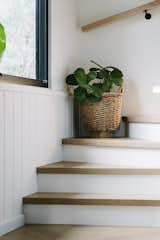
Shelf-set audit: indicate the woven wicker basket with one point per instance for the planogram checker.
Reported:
(104, 116)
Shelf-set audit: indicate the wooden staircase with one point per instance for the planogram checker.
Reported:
(101, 182)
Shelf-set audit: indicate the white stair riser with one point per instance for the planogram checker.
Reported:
(93, 215)
(107, 184)
(144, 131)
(115, 156)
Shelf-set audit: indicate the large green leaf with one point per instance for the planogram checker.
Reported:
(92, 75)
(2, 40)
(88, 88)
(107, 85)
(116, 77)
(81, 77)
(99, 85)
(117, 81)
(71, 80)
(97, 92)
(104, 73)
(116, 73)
(80, 95)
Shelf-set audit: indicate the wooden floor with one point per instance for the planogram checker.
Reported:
(52, 232)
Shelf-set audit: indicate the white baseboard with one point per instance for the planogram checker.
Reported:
(11, 225)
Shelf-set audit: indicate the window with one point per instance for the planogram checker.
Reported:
(26, 27)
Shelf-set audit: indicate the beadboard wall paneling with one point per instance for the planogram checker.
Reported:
(34, 120)
(32, 125)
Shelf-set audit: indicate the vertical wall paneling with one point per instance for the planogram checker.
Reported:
(1, 158)
(17, 154)
(33, 121)
(9, 154)
(32, 125)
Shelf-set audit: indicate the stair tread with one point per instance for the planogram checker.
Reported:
(92, 199)
(94, 168)
(113, 142)
(144, 119)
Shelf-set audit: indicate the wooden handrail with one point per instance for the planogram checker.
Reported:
(121, 16)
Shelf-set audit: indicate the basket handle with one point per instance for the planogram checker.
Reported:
(121, 89)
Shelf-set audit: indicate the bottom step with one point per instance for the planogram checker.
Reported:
(91, 209)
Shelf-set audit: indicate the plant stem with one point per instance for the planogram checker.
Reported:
(96, 64)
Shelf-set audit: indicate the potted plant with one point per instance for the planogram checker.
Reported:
(2, 40)
(99, 92)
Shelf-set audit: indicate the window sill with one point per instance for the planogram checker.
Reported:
(18, 84)
(22, 81)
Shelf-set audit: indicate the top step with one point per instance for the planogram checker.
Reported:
(113, 142)
(144, 119)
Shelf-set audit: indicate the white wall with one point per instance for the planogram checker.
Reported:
(65, 41)
(33, 120)
(132, 44)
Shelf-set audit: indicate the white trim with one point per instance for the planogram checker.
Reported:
(31, 90)
(62, 93)
(9, 226)
(11, 87)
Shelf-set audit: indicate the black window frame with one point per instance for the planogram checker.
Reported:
(42, 23)
(42, 41)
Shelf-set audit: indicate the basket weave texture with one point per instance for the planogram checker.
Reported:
(104, 115)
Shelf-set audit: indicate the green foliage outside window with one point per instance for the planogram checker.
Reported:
(2, 40)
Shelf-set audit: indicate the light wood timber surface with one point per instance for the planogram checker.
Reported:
(70, 232)
(21, 81)
(92, 199)
(144, 119)
(113, 142)
(93, 168)
(121, 16)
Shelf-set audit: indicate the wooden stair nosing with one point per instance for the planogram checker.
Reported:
(91, 199)
(113, 143)
(93, 168)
